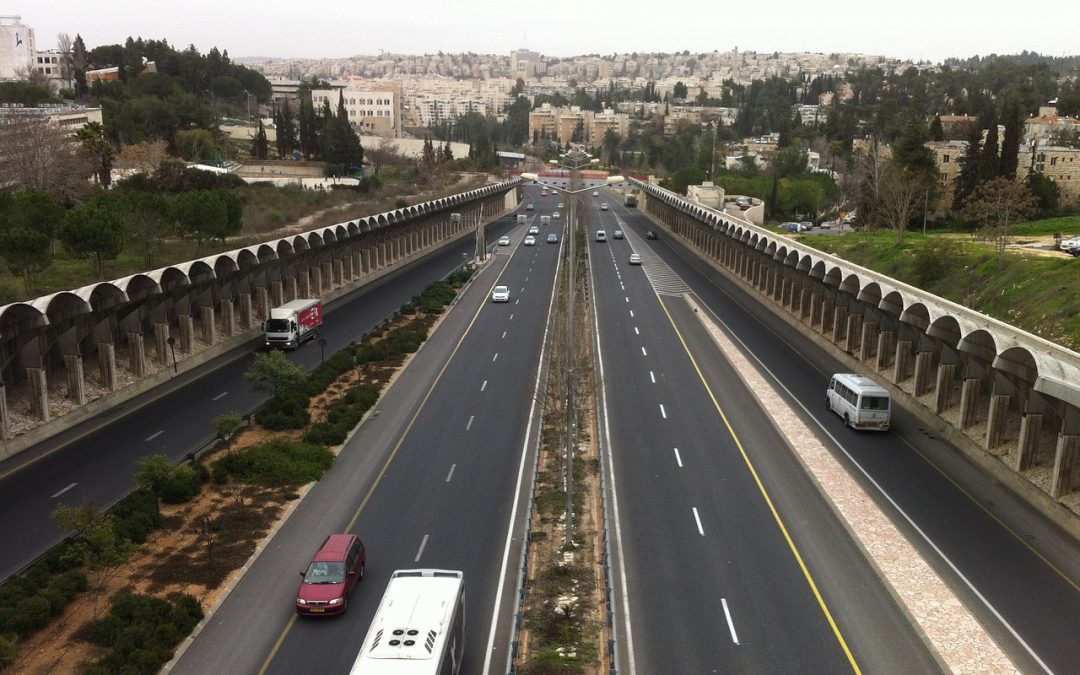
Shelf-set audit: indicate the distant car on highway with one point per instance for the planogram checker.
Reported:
(530, 241)
(500, 294)
(555, 215)
(635, 259)
(534, 230)
(553, 238)
(617, 234)
(504, 240)
(595, 193)
(560, 205)
(529, 206)
(650, 235)
(603, 206)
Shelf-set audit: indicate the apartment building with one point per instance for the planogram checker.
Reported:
(526, 64)
(602, 122)
(1047, 128)
(1059, 164)
(948, 155)
(373, 109)
(16, 48)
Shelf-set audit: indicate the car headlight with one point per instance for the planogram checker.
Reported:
(336, 601)
(301, 601)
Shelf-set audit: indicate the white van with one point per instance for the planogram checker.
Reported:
(601, 235)
(863, 403)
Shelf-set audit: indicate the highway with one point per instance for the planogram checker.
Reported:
(1013, 568)
(432, 480)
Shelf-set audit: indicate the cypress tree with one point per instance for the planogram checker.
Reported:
(1010, 143)
(937, 131)
(988, 157)
(969, 168)
(260, 147)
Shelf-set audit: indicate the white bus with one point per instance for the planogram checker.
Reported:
(419, 628)
(863, 403)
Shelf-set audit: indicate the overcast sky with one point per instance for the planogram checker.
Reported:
(928, 29)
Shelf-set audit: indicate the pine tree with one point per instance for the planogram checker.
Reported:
(1010, 143)
(78, 66)
(309, 136)
(937, 131)
(988, 158)
(447, 153)
(260, 147)
(286, 131)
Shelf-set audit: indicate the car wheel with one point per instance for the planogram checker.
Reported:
(847, 422)
(828, 404)
(360, 574)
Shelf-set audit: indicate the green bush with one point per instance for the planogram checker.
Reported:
(9, 649)
(343, 416)
(285, 411)
(136, 515)
(182, 485)
(278, 462)
(142, 631)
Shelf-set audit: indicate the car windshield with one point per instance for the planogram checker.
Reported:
(277, 325)
(500, 289)
(325, 573)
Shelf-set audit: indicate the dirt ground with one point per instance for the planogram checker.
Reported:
(199, 548)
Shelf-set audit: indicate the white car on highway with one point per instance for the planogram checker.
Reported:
(504, 240)
(500, 294)
(530, 241)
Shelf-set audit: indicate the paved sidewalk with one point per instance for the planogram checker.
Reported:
(961, 643)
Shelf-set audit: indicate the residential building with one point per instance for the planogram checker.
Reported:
(1047, 128)
(1059, 164)
(609, 120)
(526, 64)
(113, 73)
(948, 155)
(372, 108)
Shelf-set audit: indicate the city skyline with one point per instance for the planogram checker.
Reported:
(927, 31)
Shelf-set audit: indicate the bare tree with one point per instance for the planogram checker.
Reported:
(67, 69)
(382, 154)
(33, 76)
(36, 154)
(142, 157)
(995, 206)
(901, 196)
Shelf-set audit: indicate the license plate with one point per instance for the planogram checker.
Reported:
(317, 610)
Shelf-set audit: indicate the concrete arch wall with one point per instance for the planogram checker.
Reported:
(1013, 394)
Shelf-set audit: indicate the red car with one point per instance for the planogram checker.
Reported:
(332, 576)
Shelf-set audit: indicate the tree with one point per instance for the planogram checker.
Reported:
(679, 91)
(969, 168)
(989, 162)
(144, 157)
(35, 154)
(98, 150)
(308, 125)
(383, 153)
(447, 153)
(147, 215)
(286, 131)
(96, 542)
(1010, 142)
(78, 66)
(94, 230)
(995, 206)
(200, 214)
(1046, 192)
(790, 162)
(937, 131)
(902, 194)
(272, 373)
(197, 145)
(260, 147)
(227, 425)
(338, 141)
(26, 252)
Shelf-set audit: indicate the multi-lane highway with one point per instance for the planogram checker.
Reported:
(709, 578)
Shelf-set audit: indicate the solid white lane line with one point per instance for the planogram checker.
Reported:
(451, 474)
(697, 519)
(495, 357)
(663, 413)
(636, 331)
(220, 396)
(643, 352)
(420, 551)
(678, 458)
(730, 623)
(154, 435)
(652, 377)
(469, 425)
(63, 491)
(483, 386)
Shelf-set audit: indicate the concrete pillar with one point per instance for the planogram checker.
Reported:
(73, 364)
(228, 324)
(804, 303)
(107, 364)
(902, 364)
(262, 303)
(923, 361)
(277, 294)
(187, 332)
(946, 375)
(39, 393)
(347, 268)
(209, 327)
(839, 325)
(1027, 446)
(316, 282)
(245, 310)
(995, 420)
(290, 288)
(815, 308)
(365, 257)
(828, 309)
(1066, 465)
(136, 355)
(853, 333)
(969, 400)
(161, 343)
(327, 276)
(868, 341)
(303, 284)
(886, 346)
(338, 269)
(358, 263)
(5, 421)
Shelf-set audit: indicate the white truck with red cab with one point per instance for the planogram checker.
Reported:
(293, 323)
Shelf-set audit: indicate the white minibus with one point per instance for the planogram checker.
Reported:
(863, 403)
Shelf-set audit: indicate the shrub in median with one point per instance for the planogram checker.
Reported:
(142, 631)
(278, 462)
(343, 416)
